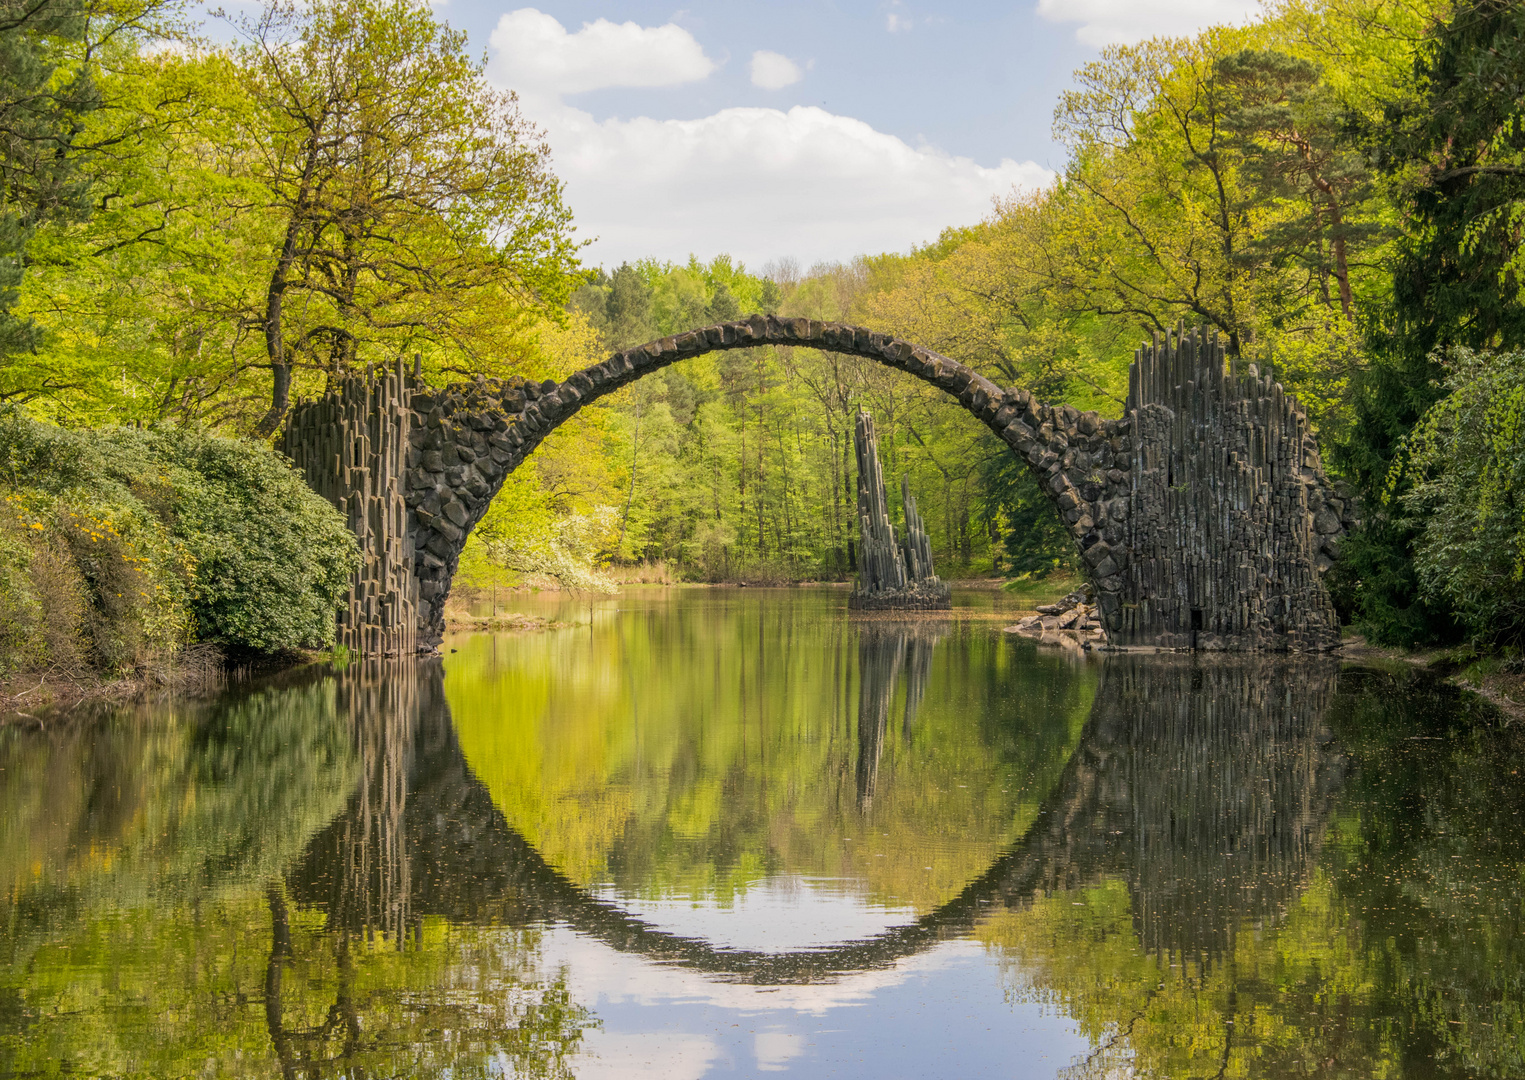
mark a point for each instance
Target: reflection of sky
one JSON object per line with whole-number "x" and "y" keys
{"x": 943, "y": 1013}
{"x": 779, "y": 914}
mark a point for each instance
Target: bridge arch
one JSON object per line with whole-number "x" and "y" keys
{"x": 1202, "y": 515}
{"x": 499, "y": 423}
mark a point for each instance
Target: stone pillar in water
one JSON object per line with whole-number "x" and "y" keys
{"x": 892, "y": 573}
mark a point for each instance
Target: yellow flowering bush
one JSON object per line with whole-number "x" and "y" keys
{"x": 120, "y": 546}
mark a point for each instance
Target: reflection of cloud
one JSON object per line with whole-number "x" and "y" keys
{"x": 775, "y": 915}
{"x": 774, "y": 1049}
{"x": 634, "y": 1055}
{"x": 944, "y": 1012}
{"x": 757, "y": 183}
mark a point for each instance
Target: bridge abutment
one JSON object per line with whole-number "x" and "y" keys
{"x": 1231, "y": 520}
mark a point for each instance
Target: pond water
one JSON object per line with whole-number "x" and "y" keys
{"x": 710, "y": 833}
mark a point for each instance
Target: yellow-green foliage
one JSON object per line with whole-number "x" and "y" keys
{"x": 120, "y": 546}
{"x": 88, "y": 581}
{"x": 137, "y": 856}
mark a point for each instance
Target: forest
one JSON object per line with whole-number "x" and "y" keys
{"x": 197, "y": 229}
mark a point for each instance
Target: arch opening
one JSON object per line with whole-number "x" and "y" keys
{"x": 505, "y": 421}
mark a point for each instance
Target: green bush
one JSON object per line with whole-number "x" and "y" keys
{"x": 271, "y": 557}
{"x": 121, "y": 544}
{"x": 1466, "y": 502}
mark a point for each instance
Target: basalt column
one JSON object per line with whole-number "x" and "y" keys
{"x": 351, "y": 445}
{"x": 892, "y": 574}
{"x": 1230, "y": 520}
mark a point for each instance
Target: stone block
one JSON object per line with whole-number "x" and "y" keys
{"x": 455, "y": 510}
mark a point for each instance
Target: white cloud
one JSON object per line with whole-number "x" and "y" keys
{"x": 755, "y": 183}
{"x": 762, "y": 183}
{"x": 895, "y": 22}
{"x": 536, "y": 54}
{"x": 773, "y": 71}
{"x": 1106, "y": 22}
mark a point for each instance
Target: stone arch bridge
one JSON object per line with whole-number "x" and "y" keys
{"x": 1202, "y": 515}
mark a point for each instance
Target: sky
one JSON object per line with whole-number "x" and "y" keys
{"x": 791, "y": 130}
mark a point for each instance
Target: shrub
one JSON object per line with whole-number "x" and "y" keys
{"x": 122, "y": 544}
{"x": 41, "y": 599}
{"x": 271, "y": 557}
{"x": 76, "y": 593}
{"x": 1466, "y": 465}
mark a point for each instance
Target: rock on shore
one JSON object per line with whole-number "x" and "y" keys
{"x": 1072, "y": 620}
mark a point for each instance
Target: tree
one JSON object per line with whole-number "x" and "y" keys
{"x": 627, "y": 308}
{"x": 1456, "y": 147}
{"x": 1466, "y": 469}
{"x": 42, "y": 101}
{"x": 1288, "y": 126}
{"x": 1157, "y": 223}
{"x": 405, "y": 188}
{"x": 1460, "y": 277}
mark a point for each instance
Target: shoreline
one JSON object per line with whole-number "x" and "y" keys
{"x": 39, "y": 698}
{"x": 198, "y": 670}
{"x": 1476, "y": 673}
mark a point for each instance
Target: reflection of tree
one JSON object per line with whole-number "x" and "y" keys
{"x": 140, "y": 801}
{"x": 363, "y": 871}
{"x": 743, "y": 762}
{"x": 1287, "y": 909}
{"x": 884, "y": 650}
{"x": 160, "y": 938}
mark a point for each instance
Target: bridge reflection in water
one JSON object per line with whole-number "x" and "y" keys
{"x": 1204, "y": 785}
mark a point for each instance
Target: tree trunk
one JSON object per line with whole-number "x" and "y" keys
{"x": 275, "y": 296}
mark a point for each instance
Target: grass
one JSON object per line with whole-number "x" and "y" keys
{"x": 1045, "y": 589}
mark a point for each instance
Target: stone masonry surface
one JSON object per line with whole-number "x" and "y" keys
{"x": 1202, "y": 515}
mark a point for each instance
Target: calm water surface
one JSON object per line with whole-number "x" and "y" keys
{"x": 716, "y": 833}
